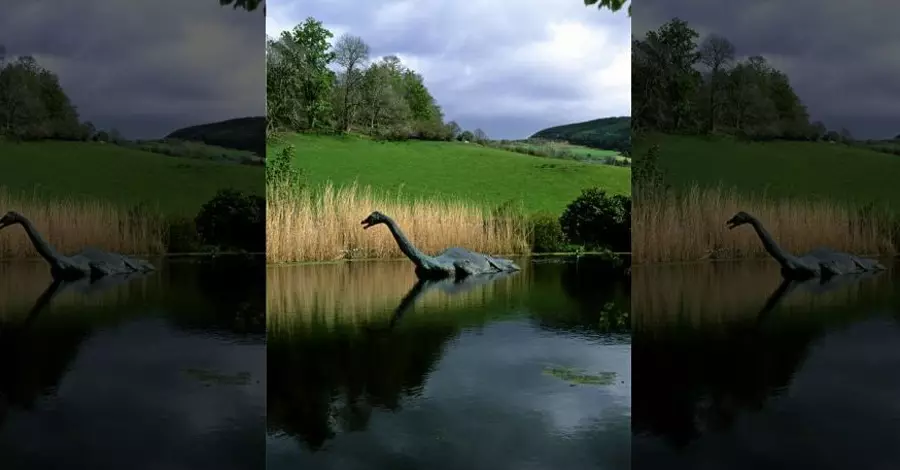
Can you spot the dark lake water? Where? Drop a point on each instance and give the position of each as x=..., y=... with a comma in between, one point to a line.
x=734, y=370
x=370, y=370
x=164, y=371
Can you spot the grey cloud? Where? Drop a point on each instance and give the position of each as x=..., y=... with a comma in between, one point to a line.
x=450, y=40
x=145, y=68
x=840, y=58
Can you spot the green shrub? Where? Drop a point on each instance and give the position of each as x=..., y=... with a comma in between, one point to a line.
x=596, y=220
x=547, y=234
x=182, y=236
x=233, y=220
x=280, y=167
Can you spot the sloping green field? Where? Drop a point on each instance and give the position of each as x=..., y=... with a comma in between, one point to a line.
x=456, y=170
x=120, y=175
x=780, y=169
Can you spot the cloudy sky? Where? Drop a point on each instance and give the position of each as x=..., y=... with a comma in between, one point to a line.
x=511, y=69
x=842, y=58
x=145, y=68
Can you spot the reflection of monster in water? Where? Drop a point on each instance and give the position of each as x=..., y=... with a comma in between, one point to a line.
x=449, y=286
x=336, y=363
x=367, y=367
x=33, y=362
x=695, y=380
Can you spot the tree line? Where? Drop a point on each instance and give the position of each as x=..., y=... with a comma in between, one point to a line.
x=34, y=106
x=314, y=86
x=680, y=86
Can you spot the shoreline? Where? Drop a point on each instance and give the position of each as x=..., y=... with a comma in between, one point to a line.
x=732, y=260
x=395, y=259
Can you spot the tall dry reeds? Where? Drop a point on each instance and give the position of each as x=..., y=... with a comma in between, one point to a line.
x=323, y=223
x=691, y=226
x=71, y=225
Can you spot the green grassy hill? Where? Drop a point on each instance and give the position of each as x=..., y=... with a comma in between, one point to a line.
x=778, y=169
x=484, y=175
x=247, y=133
x=612, y=133
x=891, y=146
x=117, y=174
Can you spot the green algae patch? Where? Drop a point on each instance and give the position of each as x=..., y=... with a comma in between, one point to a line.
x=211, y=377
x=580, y=377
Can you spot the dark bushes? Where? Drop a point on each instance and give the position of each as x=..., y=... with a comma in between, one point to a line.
x=596, y=220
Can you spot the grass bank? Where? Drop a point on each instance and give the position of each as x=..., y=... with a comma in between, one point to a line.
x=318, y=223
x=122, y=176
x=455, y=171
x=72, y=224
x=780, y=169
x=690, y=225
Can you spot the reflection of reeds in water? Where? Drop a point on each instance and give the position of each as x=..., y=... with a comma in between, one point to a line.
x=70, y=225
x=22, y=283
x=362, y=292
x=719, y=293
x=691, y=226
x=324, y=224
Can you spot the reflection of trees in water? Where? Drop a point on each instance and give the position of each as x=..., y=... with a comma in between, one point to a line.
x=331, y=366
x=39, y=342
x=35, y=355
x=319, y=377
x=598, y=294
x=227, y=292
x=325, y=376
x=697, y=373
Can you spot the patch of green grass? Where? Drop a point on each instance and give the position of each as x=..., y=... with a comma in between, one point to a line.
x=554, y=149
x=120, y=175
x=778, y=169
x=580, y=377
x=484, y=175
x=196, y=150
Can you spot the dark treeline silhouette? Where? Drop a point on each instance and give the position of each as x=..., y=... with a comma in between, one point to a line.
x=682, y=86
x=33, y=105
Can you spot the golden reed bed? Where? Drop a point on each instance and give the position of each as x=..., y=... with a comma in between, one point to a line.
x=361, y=292
x=691, y=227
x=71, y=225
x=715, y=294
x=324, y=224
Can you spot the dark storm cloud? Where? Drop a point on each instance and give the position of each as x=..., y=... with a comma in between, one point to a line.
x=509, y=71
x=843, y=58
x=145, y=68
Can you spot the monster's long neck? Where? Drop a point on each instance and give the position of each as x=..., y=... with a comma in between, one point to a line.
x=769, y=244
x=43, y=248
x=416, y=256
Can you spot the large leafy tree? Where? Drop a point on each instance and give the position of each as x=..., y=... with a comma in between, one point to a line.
x=249, y=5
x=613, y=5
x=299, y=83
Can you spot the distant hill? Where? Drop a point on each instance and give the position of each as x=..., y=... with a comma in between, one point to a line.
x=247, y=133
x=612, y=133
